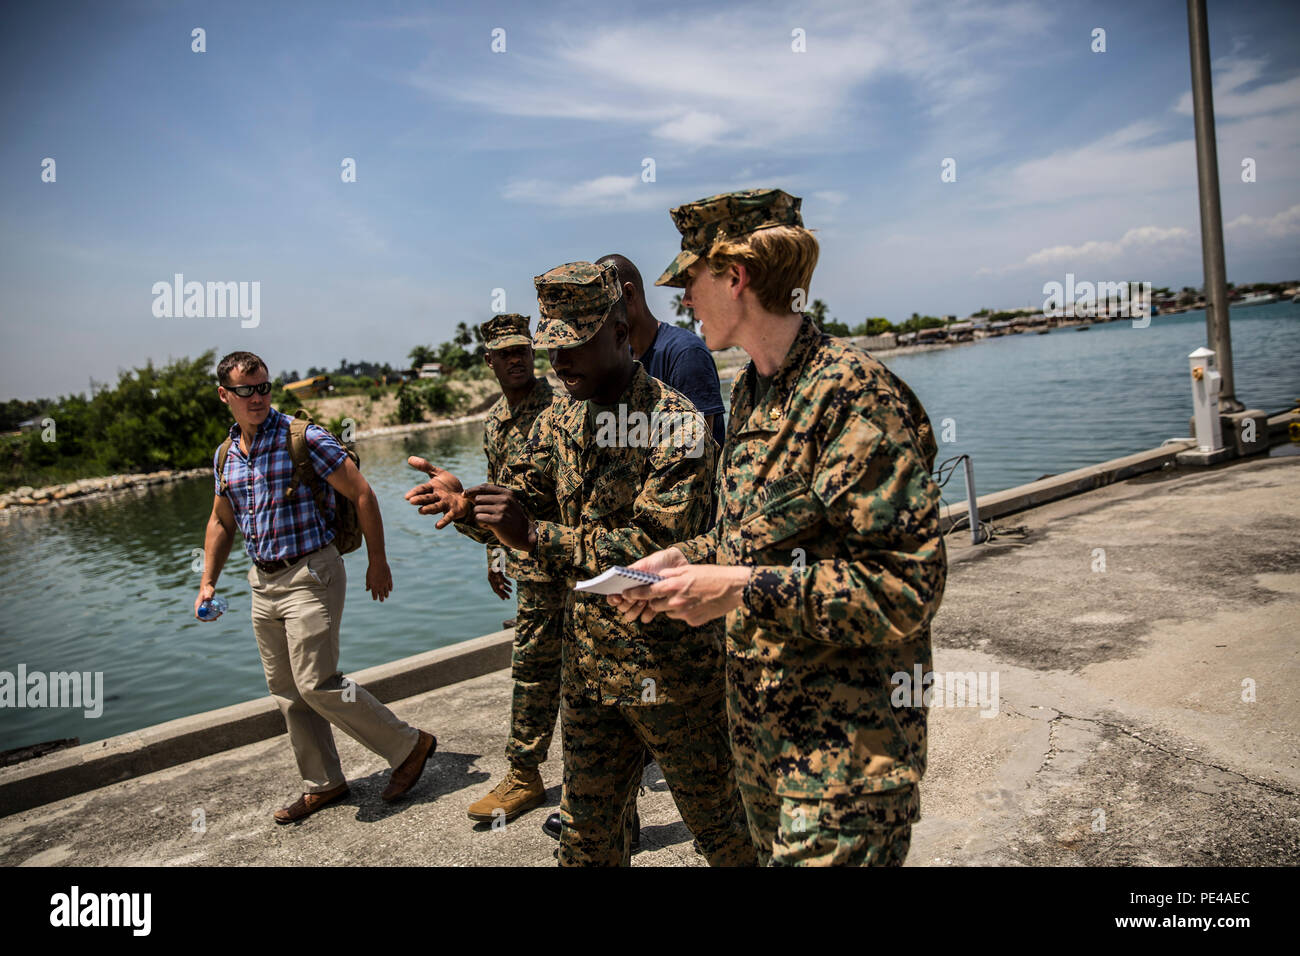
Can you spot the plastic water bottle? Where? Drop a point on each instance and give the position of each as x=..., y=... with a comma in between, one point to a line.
x=212, y=609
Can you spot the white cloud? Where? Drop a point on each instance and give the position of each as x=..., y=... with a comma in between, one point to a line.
x=1230, y=74
x=1138, y=241
x=694, y=127
x=1102, y=250
x=1126, y=161
x=733, y=81
x=1285, y=223
x=1142, y=243
x=602, y=192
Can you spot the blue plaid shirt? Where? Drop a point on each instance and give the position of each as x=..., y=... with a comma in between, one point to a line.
x=274, y=527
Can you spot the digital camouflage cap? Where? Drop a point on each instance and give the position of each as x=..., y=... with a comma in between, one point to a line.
x=726, y=216
x=503, y=331
x=573, y=301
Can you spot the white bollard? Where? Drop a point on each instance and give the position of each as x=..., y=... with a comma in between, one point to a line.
x=1205, y=400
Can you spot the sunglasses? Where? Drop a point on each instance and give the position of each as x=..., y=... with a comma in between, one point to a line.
x=243, y=391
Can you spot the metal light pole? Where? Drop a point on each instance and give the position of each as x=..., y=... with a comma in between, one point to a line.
x=1217, y=331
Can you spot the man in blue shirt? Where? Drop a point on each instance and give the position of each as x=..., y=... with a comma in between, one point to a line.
x=677, y=357
x=298, y=583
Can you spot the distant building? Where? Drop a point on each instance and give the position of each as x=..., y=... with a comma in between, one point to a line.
x=430, y=370
x=876, y=343
x=309, y=387
x=961, y=331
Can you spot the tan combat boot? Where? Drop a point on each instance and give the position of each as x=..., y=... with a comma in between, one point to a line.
x=520, y=790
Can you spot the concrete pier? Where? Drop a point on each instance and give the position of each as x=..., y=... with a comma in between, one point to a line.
x=1144, y=641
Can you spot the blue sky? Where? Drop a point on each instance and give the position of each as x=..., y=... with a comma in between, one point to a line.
x=478, y=170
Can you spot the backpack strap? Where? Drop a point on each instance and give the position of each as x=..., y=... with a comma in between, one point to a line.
x=222, y=453
x=303, y=472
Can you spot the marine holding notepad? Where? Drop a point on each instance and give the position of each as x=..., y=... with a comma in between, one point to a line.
x=624, y=687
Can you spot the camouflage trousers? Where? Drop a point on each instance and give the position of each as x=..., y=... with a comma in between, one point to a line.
x=604, y=748
x=856, y=829
x=535, y=670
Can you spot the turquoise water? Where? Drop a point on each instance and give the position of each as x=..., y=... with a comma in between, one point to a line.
x=109, y=586
x=1030, y=405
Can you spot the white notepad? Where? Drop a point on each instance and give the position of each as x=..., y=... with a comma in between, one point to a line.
x=616, y=580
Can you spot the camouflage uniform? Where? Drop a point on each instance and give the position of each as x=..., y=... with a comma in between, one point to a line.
x=539, y=620
x=825, y=490
x=626, y=687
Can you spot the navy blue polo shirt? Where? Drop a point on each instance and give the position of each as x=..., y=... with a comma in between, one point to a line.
x=680, y=359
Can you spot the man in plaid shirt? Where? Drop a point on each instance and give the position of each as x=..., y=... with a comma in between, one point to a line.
x=298, y=583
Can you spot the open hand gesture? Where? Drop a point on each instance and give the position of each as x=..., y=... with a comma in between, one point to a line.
x=442, y=494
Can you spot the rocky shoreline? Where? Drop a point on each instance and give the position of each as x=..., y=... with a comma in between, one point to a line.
x=28, y=498
x=87, y=488
x=387, y=431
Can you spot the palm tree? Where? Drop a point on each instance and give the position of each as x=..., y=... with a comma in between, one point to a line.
x=422, y=355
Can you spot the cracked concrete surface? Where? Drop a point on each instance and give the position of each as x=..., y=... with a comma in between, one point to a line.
x=1122, y=732
x=1147, y=711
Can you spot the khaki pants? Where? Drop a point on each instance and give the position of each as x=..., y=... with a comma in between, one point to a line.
x=296, y=616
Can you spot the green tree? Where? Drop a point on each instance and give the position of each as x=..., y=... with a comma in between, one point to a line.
x=918, y=322
x=154, y=418
x=438, y=397
x=422, y=355
x=820, y=313
x=452, y=357
x=480, y=347
x=410, y=404
x=16, y=410
x=876, y=325
x=689, y=321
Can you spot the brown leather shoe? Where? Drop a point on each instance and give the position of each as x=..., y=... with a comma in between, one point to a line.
x=409, y=770
x=309, y=803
